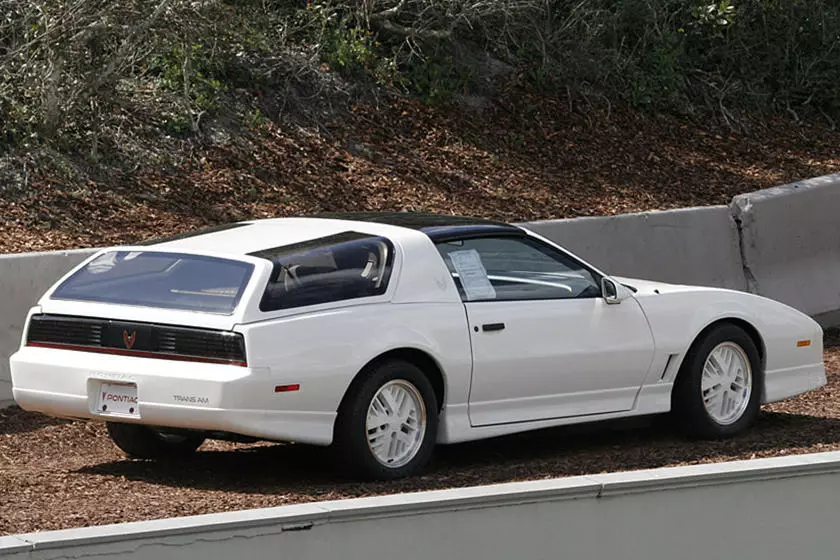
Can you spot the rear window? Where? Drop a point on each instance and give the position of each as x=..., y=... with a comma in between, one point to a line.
x=164, y=280
x=338, y=267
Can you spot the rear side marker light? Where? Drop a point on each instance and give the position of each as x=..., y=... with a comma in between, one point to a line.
x=286, y=388
x=802, y=343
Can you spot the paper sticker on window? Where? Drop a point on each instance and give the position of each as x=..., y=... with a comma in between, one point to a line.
x=472, y=274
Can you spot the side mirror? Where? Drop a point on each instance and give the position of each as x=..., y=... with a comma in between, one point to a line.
x=613, y=292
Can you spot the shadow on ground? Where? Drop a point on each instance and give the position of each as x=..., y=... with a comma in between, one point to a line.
x=567, y=451
x=14, y=420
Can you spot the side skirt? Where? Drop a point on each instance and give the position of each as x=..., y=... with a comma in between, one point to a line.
x=455, y=423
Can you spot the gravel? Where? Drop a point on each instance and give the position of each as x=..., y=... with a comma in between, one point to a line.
x=56, y=474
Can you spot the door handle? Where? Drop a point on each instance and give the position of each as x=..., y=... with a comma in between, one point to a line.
x=492, y=327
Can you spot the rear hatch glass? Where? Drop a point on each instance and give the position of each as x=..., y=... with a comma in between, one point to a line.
x=159, y=279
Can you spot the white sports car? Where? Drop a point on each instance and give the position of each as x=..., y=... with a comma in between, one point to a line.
x=384, y=334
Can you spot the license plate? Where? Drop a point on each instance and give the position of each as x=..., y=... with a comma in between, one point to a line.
x=118, y=398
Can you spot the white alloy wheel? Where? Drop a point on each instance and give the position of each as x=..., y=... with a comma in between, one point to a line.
x=396, y=423
x=727, y=383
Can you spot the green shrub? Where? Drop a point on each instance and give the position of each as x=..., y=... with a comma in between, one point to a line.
x=72, y=72
x=766, y=55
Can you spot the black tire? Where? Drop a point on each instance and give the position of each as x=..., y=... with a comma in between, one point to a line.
x=687, y=398
x=143, y=442
x=351, y=437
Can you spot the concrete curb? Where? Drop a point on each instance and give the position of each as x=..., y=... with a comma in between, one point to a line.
x=262, y=523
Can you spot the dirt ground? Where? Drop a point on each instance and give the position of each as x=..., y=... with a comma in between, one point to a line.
x=523, y=159
x=56, y=474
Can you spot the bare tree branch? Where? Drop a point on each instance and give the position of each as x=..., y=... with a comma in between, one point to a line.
x=414, y=33
x=389, y=13
x=129, y=43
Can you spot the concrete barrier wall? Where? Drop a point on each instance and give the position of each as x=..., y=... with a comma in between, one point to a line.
x=768, y=509
x=687, y=246
x=791, y=244
x=23, y=279
x=783, y=243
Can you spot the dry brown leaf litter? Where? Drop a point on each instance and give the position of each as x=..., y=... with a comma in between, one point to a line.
x=531, y=158
x=56, y=474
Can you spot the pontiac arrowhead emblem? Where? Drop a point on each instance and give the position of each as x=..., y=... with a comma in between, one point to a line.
x=129, y=339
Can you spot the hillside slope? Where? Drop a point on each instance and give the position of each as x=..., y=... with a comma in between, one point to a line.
x=544, y=162
x=130, y=120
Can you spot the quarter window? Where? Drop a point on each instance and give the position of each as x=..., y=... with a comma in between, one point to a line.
x=338, y=267
x=515, y=268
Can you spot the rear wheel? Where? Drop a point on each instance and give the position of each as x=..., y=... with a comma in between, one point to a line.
x=387, y=425
x=143, y=442
x=718, y=390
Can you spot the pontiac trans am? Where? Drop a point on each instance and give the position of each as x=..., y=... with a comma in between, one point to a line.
x=385, y=334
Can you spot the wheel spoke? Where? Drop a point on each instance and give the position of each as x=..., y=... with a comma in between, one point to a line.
x=405, y=438
x=376, y=420
x=715, y=365
x=378, y=441
x=392, y=451
x=725, y=361
x=380, y=405
x=709, y=373
x=713, y=401
x=733, y=401
x=401, y=399
x=408, y=426
x=713, y=392
x=390, y=401
x=709, y=382
x=725, y=400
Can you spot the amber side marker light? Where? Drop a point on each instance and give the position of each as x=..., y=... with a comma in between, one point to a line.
x=802, y=343
x=286, y=388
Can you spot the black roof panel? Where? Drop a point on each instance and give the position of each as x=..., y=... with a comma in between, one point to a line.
x=436, y=226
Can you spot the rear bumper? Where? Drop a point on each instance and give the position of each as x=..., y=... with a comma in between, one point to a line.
x=220, y=397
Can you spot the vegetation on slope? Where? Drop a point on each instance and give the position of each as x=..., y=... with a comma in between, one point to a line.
x=123, y=114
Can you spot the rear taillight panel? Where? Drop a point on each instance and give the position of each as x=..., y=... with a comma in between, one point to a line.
x=148, y=340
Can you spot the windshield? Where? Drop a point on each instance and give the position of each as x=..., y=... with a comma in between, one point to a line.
x=164, y=280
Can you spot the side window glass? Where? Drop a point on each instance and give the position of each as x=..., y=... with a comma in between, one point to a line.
x=512, y=268
x=338, y=267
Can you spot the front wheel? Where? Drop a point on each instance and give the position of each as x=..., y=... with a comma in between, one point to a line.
x=718, y=389
x=143, y=442
x=387, y=425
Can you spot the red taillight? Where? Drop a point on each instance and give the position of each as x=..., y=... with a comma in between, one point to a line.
x=146, y=340
x=286, y=388
x=136, y=353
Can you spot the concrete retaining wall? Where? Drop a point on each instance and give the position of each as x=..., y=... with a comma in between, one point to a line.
x=783, y=243
x=791, y=244
x=23, y=279
x=687, y=246
x=768, y=509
